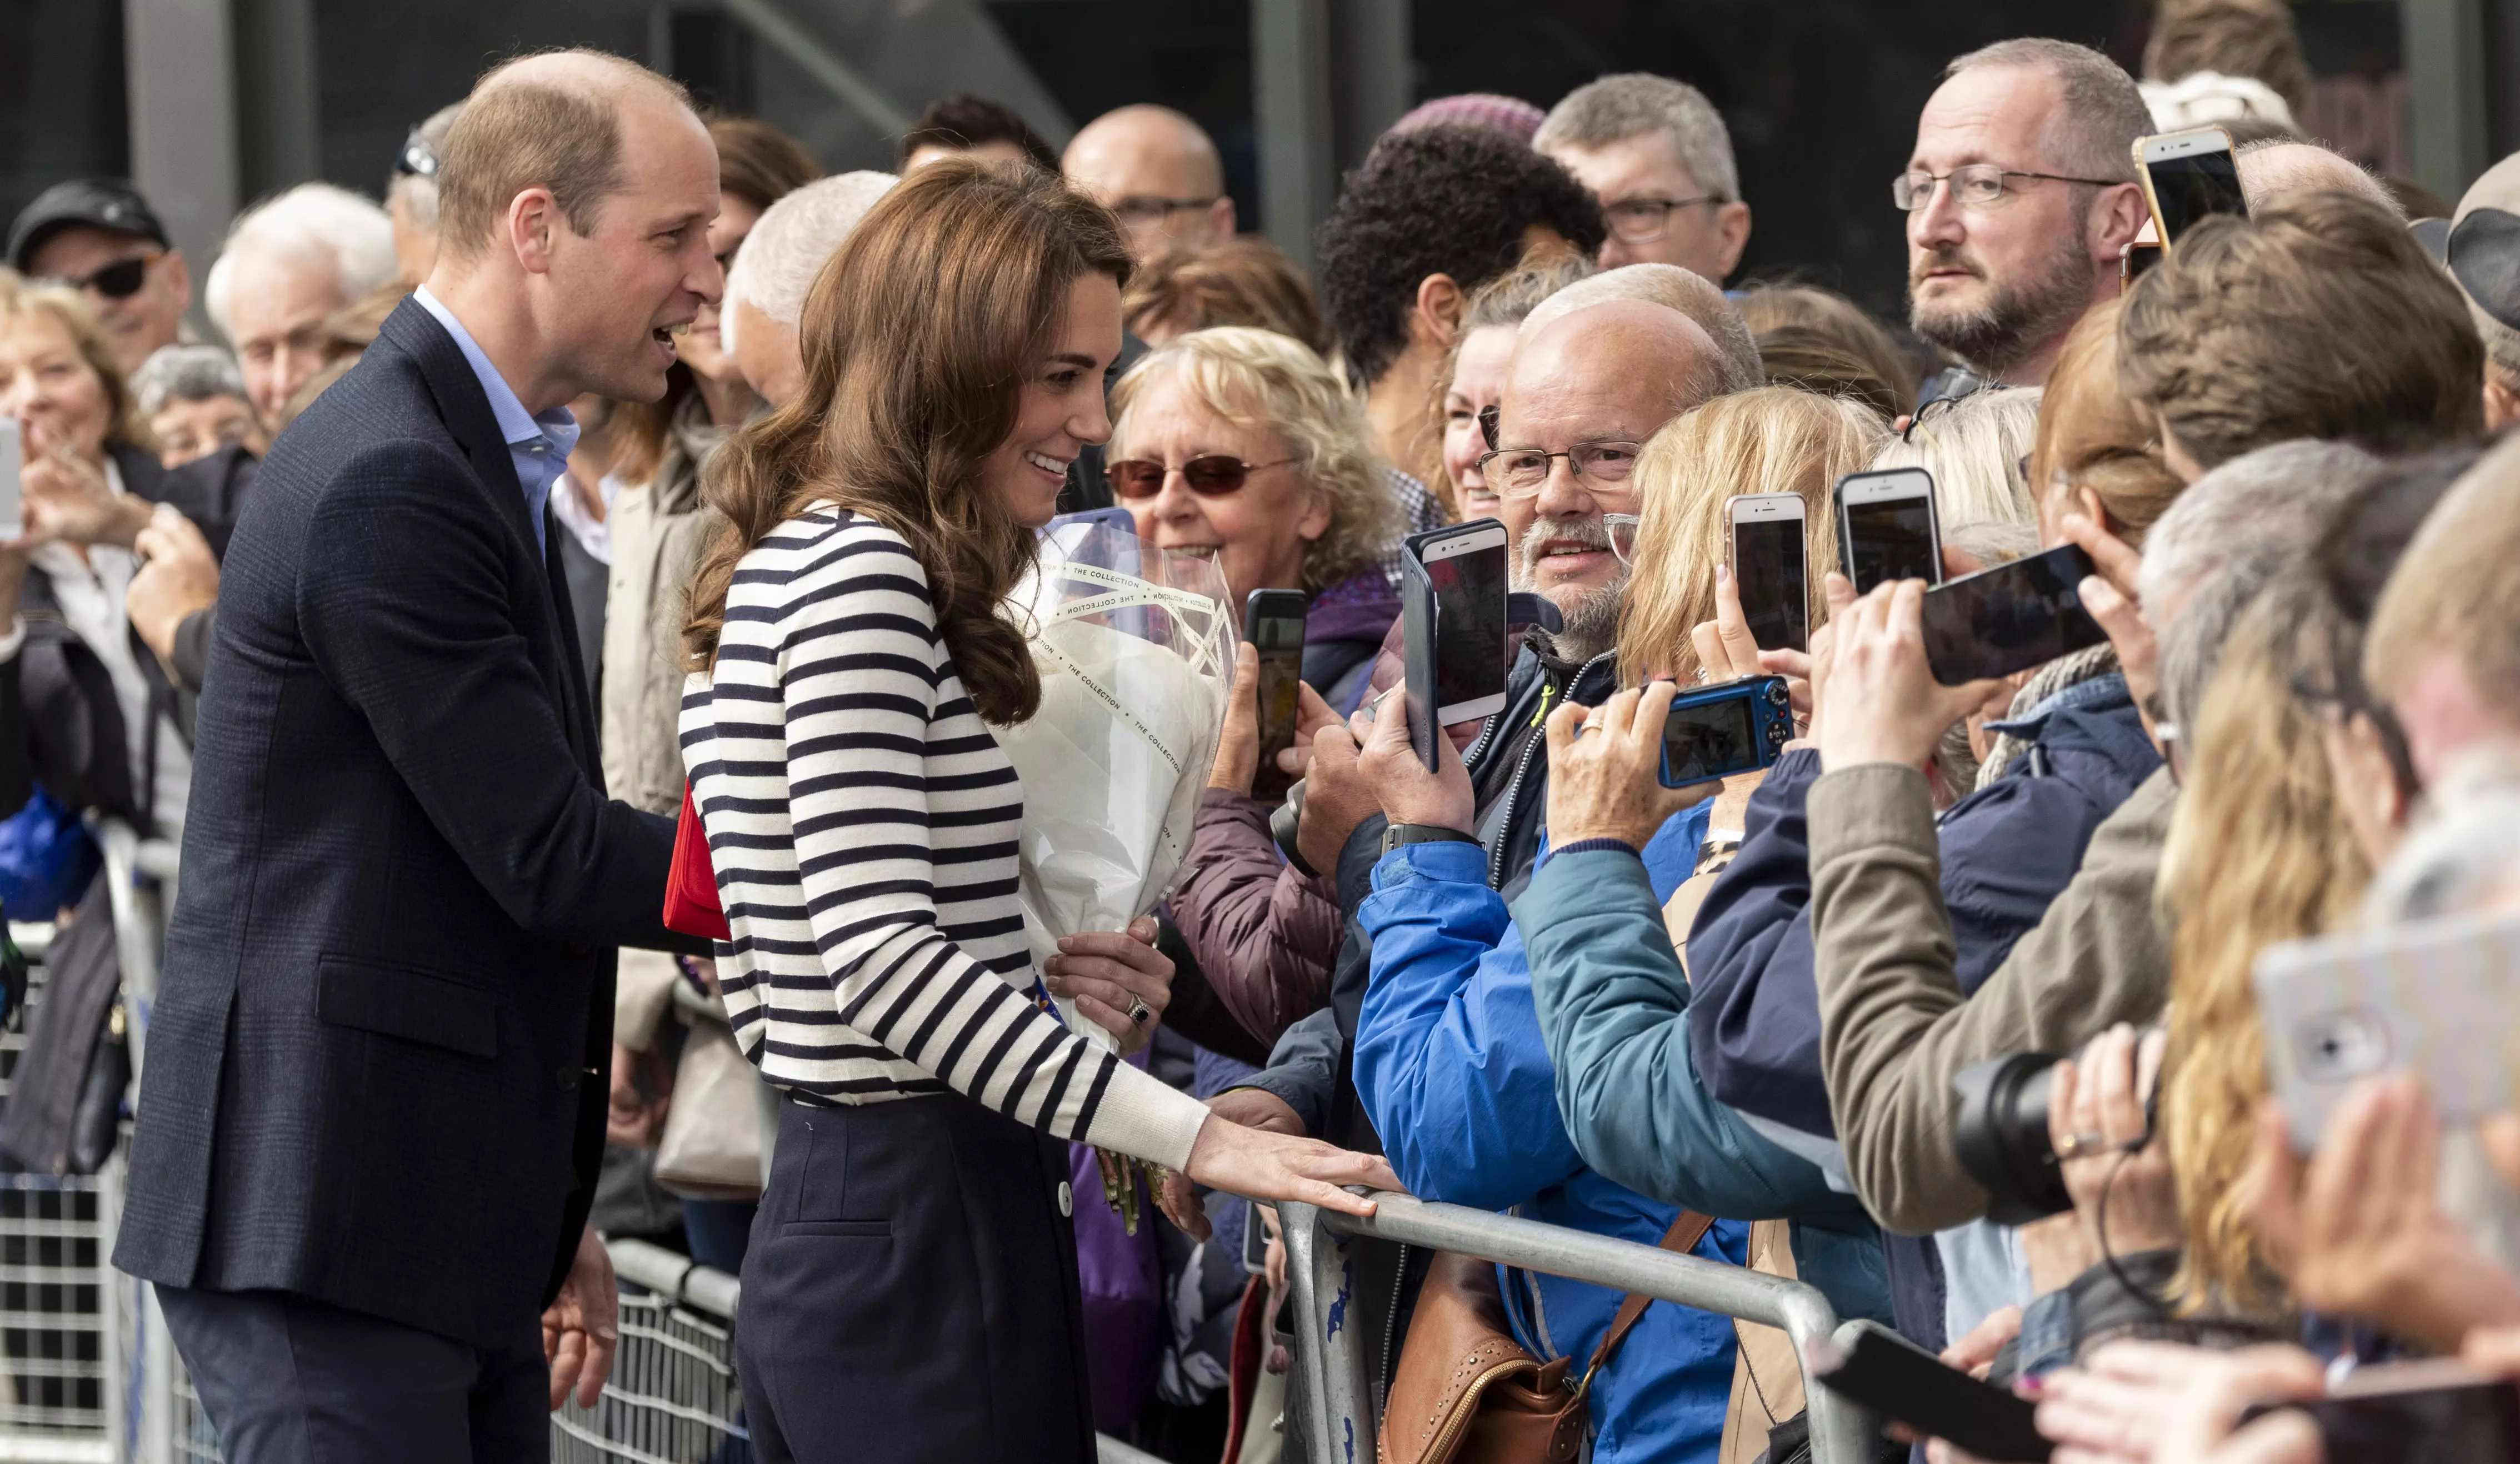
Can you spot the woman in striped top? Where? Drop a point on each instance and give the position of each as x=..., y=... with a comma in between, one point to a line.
x=911, y=1291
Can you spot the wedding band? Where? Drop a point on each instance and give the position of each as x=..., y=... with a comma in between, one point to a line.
x=1138, y=1011
x=2074, y=1145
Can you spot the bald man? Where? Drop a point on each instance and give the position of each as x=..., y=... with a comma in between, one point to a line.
x=377, y=1081
x=1160, y=172
x=2275, y=169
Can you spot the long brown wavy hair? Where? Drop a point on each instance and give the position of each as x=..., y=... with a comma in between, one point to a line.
x=2259, y=852
x=917, y=340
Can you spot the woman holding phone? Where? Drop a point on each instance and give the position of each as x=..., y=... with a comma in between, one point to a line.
x=912, y=1289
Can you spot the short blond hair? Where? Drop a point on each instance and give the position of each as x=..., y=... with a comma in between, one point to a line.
x=2456, y=588
x=1975, y=450
x=1260, y=379
x=1769, y=439
x=67, y=305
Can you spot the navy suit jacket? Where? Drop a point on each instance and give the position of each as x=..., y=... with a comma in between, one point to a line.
x=376, y=1073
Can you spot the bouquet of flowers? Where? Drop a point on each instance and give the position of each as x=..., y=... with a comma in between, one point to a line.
x=1135, y=651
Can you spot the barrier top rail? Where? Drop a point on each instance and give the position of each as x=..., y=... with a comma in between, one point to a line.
x=1330, y=1400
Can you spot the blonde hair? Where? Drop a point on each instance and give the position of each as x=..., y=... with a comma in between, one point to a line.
x=21, y=297
x=1260, y=379
x=1769, y=439
x=1506, y=300
x=2258, y=852
x=1974, y=449
x=2092, y=435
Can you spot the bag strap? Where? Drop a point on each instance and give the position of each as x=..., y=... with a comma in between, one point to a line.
x=1682, y=1238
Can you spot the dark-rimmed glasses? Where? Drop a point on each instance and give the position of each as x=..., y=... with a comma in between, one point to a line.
x=119, y=281
x=1209, y=476
x=1645, y=220
x=1973, y=185
x=416, y=159
x=1153, y=208
x=1521, y=471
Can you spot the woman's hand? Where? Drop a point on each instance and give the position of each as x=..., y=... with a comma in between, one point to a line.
x=1259, y=1164
x=1250, y=1107
x=2162, y=1403
x=2126, y=1195
x=1884, y=705
x=1606, y=782
x=69, y=500
x=2361, y=1232
x=1726, y=650
x=1117, y=979
x=2110, y=597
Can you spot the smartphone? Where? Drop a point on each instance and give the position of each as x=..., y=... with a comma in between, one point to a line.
x=1767, y=567
x=2009, y=618
x=2440, y=997
x=13, y=461
x=2392, y=1413
x=1886, y=527
x=1902, y=1382
x=1272, y=621
x=1452, y=606
x=2188, y=176
x=1739, y=727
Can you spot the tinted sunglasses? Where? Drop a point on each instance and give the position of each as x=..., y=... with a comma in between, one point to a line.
x=119, y=281
x=1209, y=476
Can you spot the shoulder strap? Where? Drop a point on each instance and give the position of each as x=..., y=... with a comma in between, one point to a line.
x=1685, y=1231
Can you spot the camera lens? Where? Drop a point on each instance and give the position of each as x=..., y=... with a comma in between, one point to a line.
x=2001, y=1136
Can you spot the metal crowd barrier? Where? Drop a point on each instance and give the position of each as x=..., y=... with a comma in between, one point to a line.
x=1330, y=1394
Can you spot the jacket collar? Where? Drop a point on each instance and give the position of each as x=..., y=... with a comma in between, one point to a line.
x=464, y=407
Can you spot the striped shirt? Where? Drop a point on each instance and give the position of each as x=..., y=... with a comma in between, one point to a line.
x=863, y=823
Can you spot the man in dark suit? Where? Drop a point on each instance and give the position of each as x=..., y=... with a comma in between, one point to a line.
x=374, y=1101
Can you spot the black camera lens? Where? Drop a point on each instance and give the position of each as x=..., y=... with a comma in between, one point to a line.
x=2002, y=1138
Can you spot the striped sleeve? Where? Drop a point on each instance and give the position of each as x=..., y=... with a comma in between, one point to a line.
x=862, y=677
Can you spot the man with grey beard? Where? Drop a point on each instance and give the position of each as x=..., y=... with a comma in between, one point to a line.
x=2019, y=196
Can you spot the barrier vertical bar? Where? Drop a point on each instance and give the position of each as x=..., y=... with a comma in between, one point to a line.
x=1329, y=1397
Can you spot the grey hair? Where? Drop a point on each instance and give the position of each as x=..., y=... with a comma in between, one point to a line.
x=2194, y=647
x=2279, y=495
x=1510, y=299
x=1974, y=448
x=2273, y=166
x=795, y=237
x=2463, y=850
x=2093, y=132
x=419, y=194
x=1684, y=291
x=1630, y=104
x=313, y=221
x=185, y=374
x=1994, y=541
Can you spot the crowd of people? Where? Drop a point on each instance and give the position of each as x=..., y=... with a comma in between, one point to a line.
x=623, y=464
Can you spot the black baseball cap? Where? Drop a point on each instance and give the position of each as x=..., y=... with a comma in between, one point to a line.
x=109, y=204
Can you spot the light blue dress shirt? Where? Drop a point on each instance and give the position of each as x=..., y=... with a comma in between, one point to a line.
x=538, y=444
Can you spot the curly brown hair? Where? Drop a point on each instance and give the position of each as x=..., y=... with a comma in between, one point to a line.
x=917, y=340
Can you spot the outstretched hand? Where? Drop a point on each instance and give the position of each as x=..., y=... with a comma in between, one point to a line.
x=1259, y=1164
x=1883, y=704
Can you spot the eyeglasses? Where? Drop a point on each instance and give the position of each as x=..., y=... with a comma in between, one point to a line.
x=119, y=281
x=1151, y=209
x=1210, y=476
x=1520, y=472
x=1622, y=529
x=416, y=159
x=1961, y=385
x=1644, y=220
x=1974, y=186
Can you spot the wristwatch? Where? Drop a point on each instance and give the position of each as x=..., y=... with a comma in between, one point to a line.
x=1398, y=834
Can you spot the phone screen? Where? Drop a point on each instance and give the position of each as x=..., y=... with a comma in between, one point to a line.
x=1278, y=637
x=13, y=517
x=1901, y=1381
x=1469, y=626
x=2189, y=188
x=1891, y=539
x=1709, y=740
x=2009, y=618
x=1768, y=565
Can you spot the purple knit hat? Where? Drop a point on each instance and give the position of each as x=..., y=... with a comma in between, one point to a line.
x=1510, y=115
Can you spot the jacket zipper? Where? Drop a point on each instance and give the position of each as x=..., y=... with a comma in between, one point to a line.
x=1522, y=768
x=1391, y=1332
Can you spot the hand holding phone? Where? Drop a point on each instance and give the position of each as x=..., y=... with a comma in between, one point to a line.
x=1454, y=592
x=1901, y=1381
x=1882, y=704
x=2009, y=618
x=1272, y=624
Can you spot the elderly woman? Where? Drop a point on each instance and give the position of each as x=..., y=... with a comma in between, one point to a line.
x=1242, y=445
x=193, y=398
x=87, y=708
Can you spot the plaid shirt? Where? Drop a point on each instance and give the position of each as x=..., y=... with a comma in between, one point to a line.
x=1419, y=511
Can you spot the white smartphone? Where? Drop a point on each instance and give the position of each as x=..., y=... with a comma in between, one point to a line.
x=12, y=458
x=1887, y=528
x=1466, y=567
x=1769, y=567
x=2438, y=998
x=2186, y=177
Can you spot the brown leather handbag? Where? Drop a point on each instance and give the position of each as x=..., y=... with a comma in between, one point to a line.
x=1467, y=1392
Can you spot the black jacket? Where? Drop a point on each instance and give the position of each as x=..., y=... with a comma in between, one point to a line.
x=60, y=724
x=376, y=1073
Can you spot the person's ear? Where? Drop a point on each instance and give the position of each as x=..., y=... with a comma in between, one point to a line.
x=2502, y=401
x=179, y=278
x=2118, y=215
x=1436, y=319
x=533, y=218
x=1732, y=228
x=1220, y=217
x=2088, y=500
x=1317, y=515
